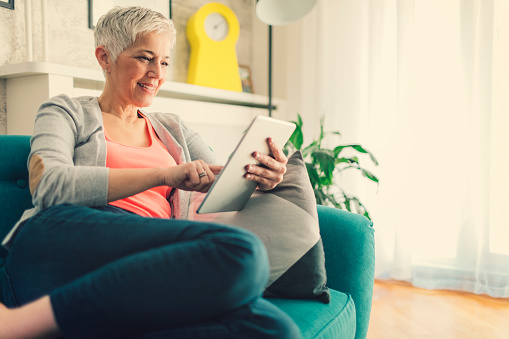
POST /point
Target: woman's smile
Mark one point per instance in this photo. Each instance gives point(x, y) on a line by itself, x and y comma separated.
point(147, 87)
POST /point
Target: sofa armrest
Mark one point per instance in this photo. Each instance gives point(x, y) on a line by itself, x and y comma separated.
point(349, 245)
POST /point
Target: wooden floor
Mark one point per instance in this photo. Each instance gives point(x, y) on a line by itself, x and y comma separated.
point(401, 311)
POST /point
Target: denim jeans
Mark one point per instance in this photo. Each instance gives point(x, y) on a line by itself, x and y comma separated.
point(120, 275)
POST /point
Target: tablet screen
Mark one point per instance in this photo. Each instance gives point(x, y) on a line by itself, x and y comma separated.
point(231, 191)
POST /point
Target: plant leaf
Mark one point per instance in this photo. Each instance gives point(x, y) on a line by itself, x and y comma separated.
point(299, 120)
point(362, 208)
point(322, 135)
point(361, 149)
point(313, 175)
point(352, 160)
point(348, 206)
point(310, 149)
point(358, 148)
point(369, 175)
point(326, 163)
point(297, 137)
point(333, 200)
point(320, 197)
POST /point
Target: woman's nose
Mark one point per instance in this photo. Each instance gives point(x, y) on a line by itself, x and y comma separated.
point(156, 71)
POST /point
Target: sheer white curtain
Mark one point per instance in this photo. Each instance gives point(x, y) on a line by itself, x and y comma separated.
point(424, 85)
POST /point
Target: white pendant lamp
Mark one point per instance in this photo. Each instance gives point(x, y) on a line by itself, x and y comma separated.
point(282, 12)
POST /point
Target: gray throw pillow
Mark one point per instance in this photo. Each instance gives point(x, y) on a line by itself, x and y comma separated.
point(286, 220)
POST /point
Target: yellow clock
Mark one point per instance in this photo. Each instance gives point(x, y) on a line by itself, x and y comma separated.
point(213, 32)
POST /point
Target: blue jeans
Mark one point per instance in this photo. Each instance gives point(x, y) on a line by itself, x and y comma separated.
point(120, 275)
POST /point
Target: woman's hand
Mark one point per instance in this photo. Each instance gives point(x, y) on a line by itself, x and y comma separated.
point(192, 176)
point(272, 169)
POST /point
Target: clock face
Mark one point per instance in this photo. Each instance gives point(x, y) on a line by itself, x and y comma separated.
point(216, 26)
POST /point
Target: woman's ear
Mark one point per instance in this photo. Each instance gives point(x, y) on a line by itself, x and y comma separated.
point(103, 57)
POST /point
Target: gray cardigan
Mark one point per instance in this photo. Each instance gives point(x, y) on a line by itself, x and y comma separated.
point(69, 137)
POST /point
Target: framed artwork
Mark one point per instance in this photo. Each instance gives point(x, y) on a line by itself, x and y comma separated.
point(99, 7)
point(245, 78)
point(7, 4)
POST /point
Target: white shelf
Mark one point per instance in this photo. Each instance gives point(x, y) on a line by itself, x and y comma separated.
point(25, 69)
point(169, 89)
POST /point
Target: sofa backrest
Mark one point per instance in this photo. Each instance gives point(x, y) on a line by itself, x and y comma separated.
point(15, 195)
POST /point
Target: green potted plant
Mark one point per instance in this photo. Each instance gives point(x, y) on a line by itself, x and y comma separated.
point(324, 165)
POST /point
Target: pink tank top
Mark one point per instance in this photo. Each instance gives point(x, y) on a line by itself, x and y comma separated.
point(152, 202)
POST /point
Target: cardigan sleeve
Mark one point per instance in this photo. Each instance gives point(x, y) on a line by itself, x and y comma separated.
point(70, 155)
point(198, 148)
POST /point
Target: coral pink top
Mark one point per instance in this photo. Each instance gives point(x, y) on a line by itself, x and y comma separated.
point(152, 202)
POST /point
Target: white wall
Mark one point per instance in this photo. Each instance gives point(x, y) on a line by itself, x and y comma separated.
point(70, 41)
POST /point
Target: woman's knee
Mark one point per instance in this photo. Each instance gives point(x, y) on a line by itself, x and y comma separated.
point(247, 265)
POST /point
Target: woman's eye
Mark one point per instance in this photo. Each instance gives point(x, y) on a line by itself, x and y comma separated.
point(147, 59)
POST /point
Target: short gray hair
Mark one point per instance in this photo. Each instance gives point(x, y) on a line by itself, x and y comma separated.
point(119, 28)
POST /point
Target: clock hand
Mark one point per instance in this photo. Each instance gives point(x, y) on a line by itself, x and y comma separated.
point(217, 32)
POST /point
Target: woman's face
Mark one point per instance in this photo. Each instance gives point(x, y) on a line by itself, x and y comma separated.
point(140, 70)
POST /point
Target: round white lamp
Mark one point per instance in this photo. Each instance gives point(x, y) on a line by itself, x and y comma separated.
point(282, 12)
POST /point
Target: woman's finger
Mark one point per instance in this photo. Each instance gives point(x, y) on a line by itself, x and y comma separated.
point(263, 176)
point(216, 169)
point(263, 183)
point(208, 176)
point(276, 162)
point(277, 152)
point(195, 169)
point(262, 172)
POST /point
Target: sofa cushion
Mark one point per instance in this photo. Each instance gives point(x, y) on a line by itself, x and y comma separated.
point(15, 197)
point(286, 220)
point(316, 320)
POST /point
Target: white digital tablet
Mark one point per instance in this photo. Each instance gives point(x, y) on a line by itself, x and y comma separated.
point(231, 191)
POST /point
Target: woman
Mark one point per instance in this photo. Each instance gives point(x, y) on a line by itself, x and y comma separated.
point(100, 255)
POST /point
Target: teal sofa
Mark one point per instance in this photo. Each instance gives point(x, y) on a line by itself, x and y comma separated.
point(347, 239)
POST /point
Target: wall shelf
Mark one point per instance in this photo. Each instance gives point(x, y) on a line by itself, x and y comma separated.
point(169, 89)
